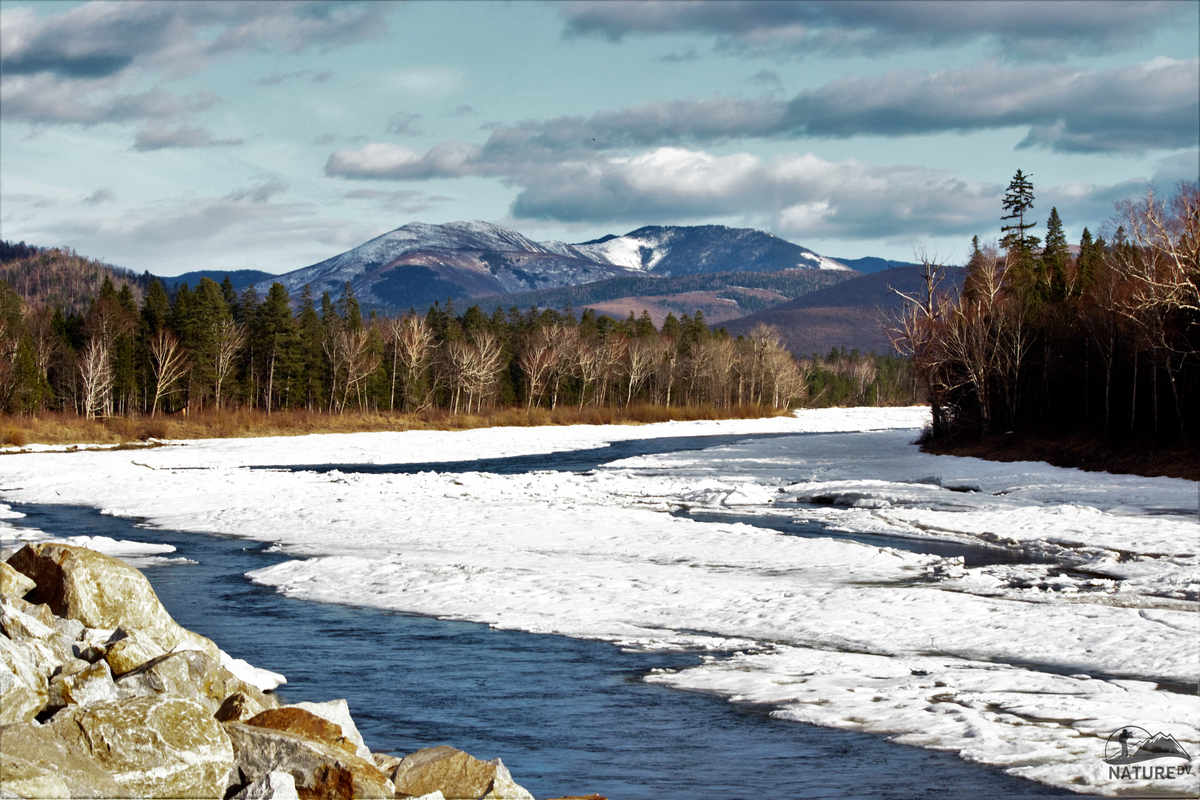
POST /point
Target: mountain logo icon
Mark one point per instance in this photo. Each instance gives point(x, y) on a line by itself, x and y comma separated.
point(1133, 745)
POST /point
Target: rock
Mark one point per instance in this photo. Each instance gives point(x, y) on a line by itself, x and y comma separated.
point(101, 592)
point(456, 775)
point(30, 749)
point(321, 771)
point(92, 683)
point(157, 746)
point(238, 708)
point(191, 674)
point(21, 778)
point(69, 629)
point(272, 786)
point(130, 649)
point(20, 626)
point(13, 583)
point(305, 723)
point(24, 689)
point(338, 712)
point(387, 763)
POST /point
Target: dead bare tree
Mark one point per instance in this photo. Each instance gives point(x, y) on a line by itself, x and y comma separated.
point(412, 342)
point(228, 339)
point(96, 376)
point(913, 331)
point(169, 362)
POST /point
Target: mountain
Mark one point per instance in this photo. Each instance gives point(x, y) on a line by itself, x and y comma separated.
point(720, 295)
point(848, 314)
point(417, 264)
point(872, 264)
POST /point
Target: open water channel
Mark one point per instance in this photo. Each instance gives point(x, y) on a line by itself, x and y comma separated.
point(567, 716)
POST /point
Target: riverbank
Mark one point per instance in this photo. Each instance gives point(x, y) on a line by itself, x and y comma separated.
point(1092, 455)
point(59, 428)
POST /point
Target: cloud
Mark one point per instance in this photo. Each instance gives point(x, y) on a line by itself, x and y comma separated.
point(800, 195)
point(237, 231)
point(403, 201)
point(98, 40)
point(402, 124)
point(262, 190)
point(1017, 30)
point(79, 67)
point(1127, 109)
point(161, 137)
point(47, 100)
point(1130, 109)
point(381, 161)
point(277, 78)
point(104, 195)
point(766, 77)
point(462, 111)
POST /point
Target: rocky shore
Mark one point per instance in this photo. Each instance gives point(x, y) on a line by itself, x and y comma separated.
point(103, 695)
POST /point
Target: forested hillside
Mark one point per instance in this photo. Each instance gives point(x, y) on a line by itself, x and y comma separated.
point(61, 277)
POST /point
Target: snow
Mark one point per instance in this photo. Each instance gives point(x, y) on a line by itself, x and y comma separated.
point(263, 679)
point(625, 251)
point(1029, 666)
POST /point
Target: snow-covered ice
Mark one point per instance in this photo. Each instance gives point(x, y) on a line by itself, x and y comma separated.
point(1028, 665)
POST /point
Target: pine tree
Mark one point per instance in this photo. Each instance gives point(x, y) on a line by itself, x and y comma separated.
point(1055, 256)
point(1090, 254)
point(1020, 246)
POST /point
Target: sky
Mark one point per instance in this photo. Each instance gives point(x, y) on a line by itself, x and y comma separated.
point(172, 137)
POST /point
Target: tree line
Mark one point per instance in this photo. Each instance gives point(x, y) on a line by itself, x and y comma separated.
point(1101, 342)
point(212, 347)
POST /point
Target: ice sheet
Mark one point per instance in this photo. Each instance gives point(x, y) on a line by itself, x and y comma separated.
point(1027, 665)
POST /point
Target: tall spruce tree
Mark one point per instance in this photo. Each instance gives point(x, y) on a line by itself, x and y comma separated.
point(1021, 247)
point(1055, 257)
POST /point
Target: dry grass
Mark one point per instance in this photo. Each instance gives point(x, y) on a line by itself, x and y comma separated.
point(58, 428)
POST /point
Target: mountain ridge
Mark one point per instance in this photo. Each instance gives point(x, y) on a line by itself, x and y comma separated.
point(419, 263)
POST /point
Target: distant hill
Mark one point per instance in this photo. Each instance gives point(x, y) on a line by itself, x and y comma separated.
point(848, 314)
point(720, 295)
point(240, 278)
point(62, 277)
point(417, 264)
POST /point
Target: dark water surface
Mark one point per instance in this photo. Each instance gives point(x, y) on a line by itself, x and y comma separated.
point(562, 461)
point(567, 716)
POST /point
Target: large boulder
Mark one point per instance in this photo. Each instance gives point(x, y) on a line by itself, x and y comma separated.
point(129, 648)
point(338, 712)
point(305, 723)
point(101, 592)
point(35, 762)
point(456, 775)
point(191, 674)
point(24, 690)
point(321, 771)
point(157, 746)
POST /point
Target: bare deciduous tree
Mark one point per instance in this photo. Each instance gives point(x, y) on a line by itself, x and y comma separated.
point(169, 363)
point(96, 377)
